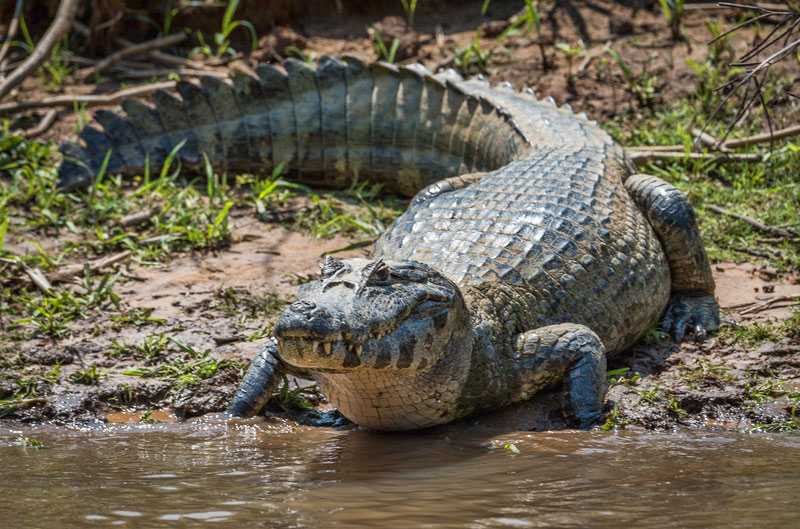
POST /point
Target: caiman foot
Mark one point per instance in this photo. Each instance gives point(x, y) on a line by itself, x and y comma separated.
point(695, 312)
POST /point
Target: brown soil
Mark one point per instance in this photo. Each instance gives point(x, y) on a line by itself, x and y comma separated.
point(192, 293)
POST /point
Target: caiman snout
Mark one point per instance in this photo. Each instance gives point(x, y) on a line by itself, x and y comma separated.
point(303, 307)
point(307, 320)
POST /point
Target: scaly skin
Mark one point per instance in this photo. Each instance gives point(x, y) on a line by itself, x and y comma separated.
point(545, 255)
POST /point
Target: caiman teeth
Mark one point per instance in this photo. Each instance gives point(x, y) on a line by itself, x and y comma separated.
point(358, 350)
point(326, 346)
point(314, 345)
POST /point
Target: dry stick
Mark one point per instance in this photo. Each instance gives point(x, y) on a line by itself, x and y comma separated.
point(766, 304)
point(716, 7)
point(753, 222)
point(88, 100)
point(763, 138)
point(12, 30)
point(656, 148)
point(708, 140)
point(136, 49)
point(59, 28)
point(778, 240)
point(136, 218)
point(166, 58)
point(731, 144)
point(642, 157)
point(46, 122)
point(127, 73)
point(38, 278)
point(72, 270)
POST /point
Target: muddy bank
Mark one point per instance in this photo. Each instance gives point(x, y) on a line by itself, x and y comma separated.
point(189, 327)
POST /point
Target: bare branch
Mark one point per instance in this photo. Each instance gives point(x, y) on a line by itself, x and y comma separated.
point(46, 122)
point(59, 28)
point(136, 49)
point(780, 232)
point(89, 100)
point(12, 30)
point(642, 157)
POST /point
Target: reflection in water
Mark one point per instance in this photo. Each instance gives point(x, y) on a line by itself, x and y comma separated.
point(249, 475)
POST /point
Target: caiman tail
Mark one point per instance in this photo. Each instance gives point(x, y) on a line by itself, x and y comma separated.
point(328, 125)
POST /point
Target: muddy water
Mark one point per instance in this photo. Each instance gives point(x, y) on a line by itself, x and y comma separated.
point(254, 475)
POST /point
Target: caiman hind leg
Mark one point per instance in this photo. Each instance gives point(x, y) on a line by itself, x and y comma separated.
point(569, 352)
point(692, 305)
point(259, 383)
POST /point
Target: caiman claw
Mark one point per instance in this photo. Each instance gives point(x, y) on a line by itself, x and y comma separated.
point(697, 312)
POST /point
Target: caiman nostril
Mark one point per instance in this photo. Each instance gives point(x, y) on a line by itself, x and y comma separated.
point(302, 307)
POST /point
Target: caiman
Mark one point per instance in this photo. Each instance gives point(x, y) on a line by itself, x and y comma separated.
point(530, 252)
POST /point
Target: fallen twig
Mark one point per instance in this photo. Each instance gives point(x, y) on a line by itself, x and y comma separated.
point(136, 218)
point(656, 148)
point(46, 122)
point(763, 138)
point(135, 49)
point(12, 30)
point(157, 72)
point(88, 100)
point(222, 340)
point(778, 240)
point(709, 140)
point(59, 28)
point(767, 304)
point(753, 222)
point(38, 278)
point(717, 7)
point(641, 157)
point(166, 58)
point(70, 271)
point(726, 145)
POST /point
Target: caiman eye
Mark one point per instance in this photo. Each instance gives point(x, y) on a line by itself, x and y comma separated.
point(380, 274)
point(330, 266)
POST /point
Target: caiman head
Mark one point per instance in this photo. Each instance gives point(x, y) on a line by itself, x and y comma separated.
point(393, 316)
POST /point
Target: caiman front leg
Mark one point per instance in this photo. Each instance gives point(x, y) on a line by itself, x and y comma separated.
point(259, 382)
point(692, 305)
point(569, 352)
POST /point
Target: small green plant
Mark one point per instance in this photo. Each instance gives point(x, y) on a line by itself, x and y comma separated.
point(410, 7)
point(673, 11)
point(293, 399)
point(88, 377)
point(383, 53)
point(294, 51)
point(614, 420)
point(145, 418)
point(25, 442)
point(151, 347)
point(472, 59)
point(706, 372)
point(790, 426)
point(530, 19)
point(222, 37)
point(653, 336)
point(643, 86)
point(767, 390)
point(571, 53)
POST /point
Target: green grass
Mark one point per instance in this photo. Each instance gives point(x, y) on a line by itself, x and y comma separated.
point(768, 191)
point(185, 370)
point(704, 372)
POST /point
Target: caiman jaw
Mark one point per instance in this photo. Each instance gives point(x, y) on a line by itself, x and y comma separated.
point(370, 314)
